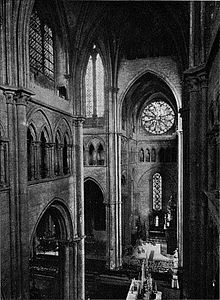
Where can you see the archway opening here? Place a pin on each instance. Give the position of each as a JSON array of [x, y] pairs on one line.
[[48, 271], [95, 220], [151, 108]]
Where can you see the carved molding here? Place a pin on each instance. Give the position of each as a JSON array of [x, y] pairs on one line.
[[113, 89], [192, 83], [196, 78], [20, 95], [79, 120]]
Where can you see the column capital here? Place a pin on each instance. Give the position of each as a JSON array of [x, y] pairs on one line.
[[19, 94], [196, 77], [9, 92], [192, 83], [203, 78], [113, 89], [79, 120], [22, 96]]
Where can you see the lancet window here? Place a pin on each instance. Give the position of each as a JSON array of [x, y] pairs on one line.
[[94, 85], [41, 47], [157, 191]]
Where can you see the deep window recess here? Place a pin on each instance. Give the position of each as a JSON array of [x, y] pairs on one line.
[[94, 85], [147, 155], [100, 156], [65, 158], [57, 157], [41, 48], [44, 160], [30, 155], [92, 155]]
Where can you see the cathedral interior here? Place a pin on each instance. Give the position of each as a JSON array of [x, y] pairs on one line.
[[109, 146]]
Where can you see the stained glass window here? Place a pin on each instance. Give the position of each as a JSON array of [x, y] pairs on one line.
[[94, 83], [158, 117], [89, 89], [99, 86], [41, 46], [157, 191]]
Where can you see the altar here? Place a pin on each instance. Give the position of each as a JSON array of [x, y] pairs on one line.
[[135, 292], [149, 259]]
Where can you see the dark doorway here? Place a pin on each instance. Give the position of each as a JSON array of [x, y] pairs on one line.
[[48, 258], [95, 220], [94, 208]]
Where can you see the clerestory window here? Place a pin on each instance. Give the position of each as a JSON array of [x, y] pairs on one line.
[[41, 48], [94, 85]]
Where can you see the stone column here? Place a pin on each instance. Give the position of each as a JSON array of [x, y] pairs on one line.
[[203, 179], [61, 158], [197, 181], [32, 163], [193, 182], [80, 207], [52, 166], [184, 111], [69, 158], [22, 204], [180, 198], [37, 158], [15, 271], [3, 169], [114, 225]]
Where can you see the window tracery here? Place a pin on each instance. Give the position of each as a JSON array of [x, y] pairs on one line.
[[41, 48], [158, 117], [157, 191], [94, 85]]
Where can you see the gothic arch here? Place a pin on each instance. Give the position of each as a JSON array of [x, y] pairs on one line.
[[162, 76], [50, 242], [64, 128], [95, 208], [40, 120], [44, 130], [98, 184], [33, 132], [61, 206], [95, 141]]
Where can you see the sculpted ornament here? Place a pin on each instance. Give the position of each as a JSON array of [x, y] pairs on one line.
[[193, 84]]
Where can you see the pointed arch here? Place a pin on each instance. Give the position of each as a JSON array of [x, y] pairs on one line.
[[89, 88], [153, 155], [49, 244], [141, 155], [92, 155], [44, 154], [57, 158], [95, 214], [65, 155], [30, 154], [94, 84], [147, 157], [100, 155], [99, 86]]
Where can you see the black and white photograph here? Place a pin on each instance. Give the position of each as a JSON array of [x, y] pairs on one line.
[[109, 149]]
